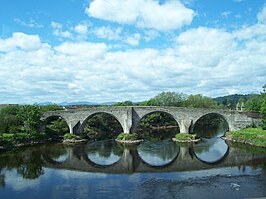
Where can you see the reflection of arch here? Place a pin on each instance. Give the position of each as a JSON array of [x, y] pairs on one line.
[[157, 111], [168, 164], [97, 113], [210, 113], [93, 164], [48, 159], [219, 160]]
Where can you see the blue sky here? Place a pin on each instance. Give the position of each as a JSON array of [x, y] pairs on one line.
[[116, 50]]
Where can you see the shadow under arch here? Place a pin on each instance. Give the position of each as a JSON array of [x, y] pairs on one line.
[[153, 161], [209, 125], [109, 116], [211, 151], [158, 121]]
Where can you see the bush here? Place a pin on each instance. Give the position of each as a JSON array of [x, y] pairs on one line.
[[253, 136], [69, 136], [127, 136], [185, 136]]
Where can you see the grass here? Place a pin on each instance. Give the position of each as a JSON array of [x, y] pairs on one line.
[[127, 136], [184, 137], [252, 136]]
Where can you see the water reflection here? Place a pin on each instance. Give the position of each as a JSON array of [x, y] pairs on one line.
[[105, 152], [110, 157], [58, 152], [211, 150], [158, 153]]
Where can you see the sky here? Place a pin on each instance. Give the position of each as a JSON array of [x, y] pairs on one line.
[[118, 50]]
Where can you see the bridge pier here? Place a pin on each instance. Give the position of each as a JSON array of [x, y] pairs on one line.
[[185, 125], [74, 127]]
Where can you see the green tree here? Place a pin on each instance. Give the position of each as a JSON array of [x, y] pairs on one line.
[[9, 122], [125, 103], [254, 103], [166, 99], [263, 107], [30, 115], [200, 101]]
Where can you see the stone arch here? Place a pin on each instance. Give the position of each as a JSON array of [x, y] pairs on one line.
[[141, 116], [210, 113], [83, 124]]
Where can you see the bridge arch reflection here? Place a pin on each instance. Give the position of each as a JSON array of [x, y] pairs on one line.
[[183, 158], [159, 155], [211, 151]]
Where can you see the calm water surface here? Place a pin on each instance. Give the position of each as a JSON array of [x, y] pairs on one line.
[[105, 169]]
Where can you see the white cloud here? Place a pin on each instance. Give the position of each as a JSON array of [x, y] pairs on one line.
[[81, 29], [202, 60], [262, 15], [59, 32], [150, 35], [171, 15], [205, 47], [134, 39], [108, 33], [21, 41], [31, 23]]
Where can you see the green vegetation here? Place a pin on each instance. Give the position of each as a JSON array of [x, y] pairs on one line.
[[258, 103], [102, 126], [252, 136], [21, 124], [185, 137], [127, 136], [230, 101], [69, 136], [180, 100]]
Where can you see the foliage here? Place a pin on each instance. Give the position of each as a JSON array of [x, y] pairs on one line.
[[184, 137], [254, 136], [102, 126], [258, 103], [200, 101], [230, 101], [125, 103], [69, 136], [30, 115], [57, 126], [127, 136], [9, 122], [166, 99], [180, 100], [254, 103], [51, 107], [157, 119], [9, 139]]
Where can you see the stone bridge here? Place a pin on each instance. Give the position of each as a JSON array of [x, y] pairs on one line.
[[130, 116]]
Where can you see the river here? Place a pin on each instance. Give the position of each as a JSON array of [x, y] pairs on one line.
[[105, 169]]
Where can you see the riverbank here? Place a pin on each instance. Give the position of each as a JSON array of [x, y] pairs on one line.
[[251, 136]]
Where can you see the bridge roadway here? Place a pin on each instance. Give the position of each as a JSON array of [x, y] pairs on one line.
[[131, 162], [130, 116]]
